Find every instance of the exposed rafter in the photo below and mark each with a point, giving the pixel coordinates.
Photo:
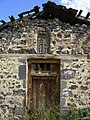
(51, 11)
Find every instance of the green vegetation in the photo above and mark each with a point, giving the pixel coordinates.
(74, 114)
(53, 113)
(10, 117)
(85, 112)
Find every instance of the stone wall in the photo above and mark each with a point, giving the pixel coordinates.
(12, 86)
(75, 83)
(21, 37)
(68, 43)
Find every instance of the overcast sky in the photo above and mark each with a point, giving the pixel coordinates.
(14, 7)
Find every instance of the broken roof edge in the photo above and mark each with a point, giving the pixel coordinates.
(50, 11)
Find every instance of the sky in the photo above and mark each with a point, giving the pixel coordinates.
(14, 7)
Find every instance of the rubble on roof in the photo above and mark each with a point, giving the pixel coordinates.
(52, 11)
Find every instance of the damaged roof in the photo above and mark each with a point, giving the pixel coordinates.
(50, 11)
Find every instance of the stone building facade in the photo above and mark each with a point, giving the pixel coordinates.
(25, 40)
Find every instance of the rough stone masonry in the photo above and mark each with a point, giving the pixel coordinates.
(19, 42)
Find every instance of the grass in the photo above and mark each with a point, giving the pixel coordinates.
(74, 114)
(53, 113)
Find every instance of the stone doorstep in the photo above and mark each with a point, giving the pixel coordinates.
(85, 118)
